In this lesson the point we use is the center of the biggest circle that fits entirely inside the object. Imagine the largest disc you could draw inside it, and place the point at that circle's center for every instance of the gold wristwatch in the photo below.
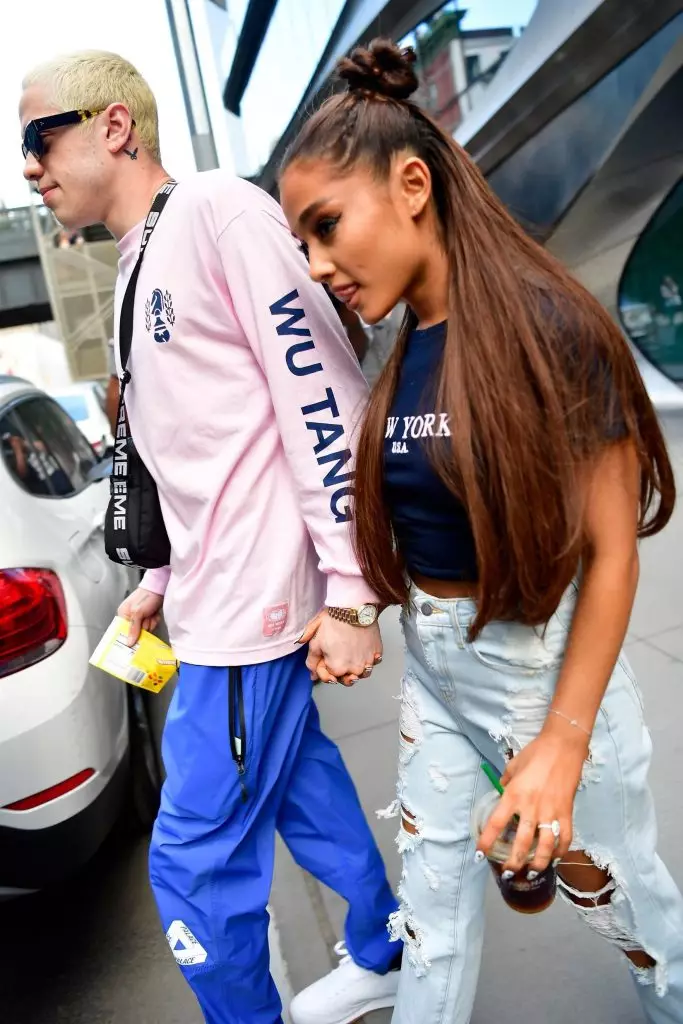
(366, 615)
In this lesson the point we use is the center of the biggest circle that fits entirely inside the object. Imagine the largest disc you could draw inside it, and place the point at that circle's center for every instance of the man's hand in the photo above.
(339, 652)
(142, 609)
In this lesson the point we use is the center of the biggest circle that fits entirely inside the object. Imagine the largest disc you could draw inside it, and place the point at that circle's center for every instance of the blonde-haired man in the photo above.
(243, 396)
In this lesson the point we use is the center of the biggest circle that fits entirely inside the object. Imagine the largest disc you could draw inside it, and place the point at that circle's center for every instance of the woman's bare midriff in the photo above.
(444, 588)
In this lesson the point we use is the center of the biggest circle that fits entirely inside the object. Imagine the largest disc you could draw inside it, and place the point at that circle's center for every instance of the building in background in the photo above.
(456, 63)
(571, 110)
(275, 51)
(476, 56)
(204, 35)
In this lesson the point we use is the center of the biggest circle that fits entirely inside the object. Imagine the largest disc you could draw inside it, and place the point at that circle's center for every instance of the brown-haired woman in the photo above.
(510, 459)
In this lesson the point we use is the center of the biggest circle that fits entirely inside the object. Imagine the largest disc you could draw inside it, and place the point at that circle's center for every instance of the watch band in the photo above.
(364, 616)
(349, 615)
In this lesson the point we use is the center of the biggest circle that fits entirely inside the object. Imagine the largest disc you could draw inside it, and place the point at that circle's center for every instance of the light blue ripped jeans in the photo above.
(464, 702)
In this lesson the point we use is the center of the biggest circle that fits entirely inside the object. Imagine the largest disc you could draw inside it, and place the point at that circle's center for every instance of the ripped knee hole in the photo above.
(588, 886)
(639, 958)
(581, 875)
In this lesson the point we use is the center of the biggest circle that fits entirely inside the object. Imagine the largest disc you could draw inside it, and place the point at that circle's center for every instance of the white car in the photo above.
(83, 403)
(75, 744)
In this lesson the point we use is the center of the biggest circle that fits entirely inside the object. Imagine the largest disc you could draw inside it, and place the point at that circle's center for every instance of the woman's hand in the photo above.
(540, 786)
(352, 651)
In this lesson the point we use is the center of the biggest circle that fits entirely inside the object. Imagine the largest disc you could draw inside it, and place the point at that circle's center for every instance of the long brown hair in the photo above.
(535, 374)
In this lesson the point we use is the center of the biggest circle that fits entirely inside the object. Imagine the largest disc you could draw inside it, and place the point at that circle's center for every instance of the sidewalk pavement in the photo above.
(535, 968)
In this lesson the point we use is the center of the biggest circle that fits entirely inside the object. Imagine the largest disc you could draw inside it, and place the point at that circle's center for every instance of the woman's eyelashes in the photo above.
(325, 226)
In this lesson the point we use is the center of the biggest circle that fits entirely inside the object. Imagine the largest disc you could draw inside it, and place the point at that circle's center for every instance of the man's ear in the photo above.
(119, 129)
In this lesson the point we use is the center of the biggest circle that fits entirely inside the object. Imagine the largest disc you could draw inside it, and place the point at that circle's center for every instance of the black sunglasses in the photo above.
(33, 132)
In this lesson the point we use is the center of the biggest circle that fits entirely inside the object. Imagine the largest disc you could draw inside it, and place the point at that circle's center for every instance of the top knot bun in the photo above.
(383, 68)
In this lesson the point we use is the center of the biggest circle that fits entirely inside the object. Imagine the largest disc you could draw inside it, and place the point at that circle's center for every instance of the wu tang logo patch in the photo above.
(160, 315)
(187, 950)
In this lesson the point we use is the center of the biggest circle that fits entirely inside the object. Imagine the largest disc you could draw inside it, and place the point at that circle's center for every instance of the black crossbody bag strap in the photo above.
(128, 304)
(135, 533)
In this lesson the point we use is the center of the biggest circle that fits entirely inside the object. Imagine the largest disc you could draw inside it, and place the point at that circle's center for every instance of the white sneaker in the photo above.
(345, 994)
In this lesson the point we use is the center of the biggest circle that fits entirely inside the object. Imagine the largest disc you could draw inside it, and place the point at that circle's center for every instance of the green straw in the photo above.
(492, 776)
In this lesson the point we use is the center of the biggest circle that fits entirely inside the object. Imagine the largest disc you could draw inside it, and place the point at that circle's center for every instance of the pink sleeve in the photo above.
(317, 388)
(156, 580)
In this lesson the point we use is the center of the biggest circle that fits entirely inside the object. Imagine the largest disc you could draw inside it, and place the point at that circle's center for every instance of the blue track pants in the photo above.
(211, 858)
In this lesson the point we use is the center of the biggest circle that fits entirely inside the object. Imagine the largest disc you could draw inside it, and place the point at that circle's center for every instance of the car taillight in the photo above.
(46, 795)
(32, 617)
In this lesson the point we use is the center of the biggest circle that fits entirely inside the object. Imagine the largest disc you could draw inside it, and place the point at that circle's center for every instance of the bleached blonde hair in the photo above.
(91, 80)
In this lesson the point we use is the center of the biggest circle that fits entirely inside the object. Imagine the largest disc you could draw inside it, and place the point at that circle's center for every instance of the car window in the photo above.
(74, 406)
(33, 467)
(20, 458)
(57, 460)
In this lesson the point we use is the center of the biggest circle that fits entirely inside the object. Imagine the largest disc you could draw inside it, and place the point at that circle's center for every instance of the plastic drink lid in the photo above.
(502, 847)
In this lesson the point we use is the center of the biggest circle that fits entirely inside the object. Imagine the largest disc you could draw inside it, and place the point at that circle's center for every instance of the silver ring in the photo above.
(554, 827)
(367, 671)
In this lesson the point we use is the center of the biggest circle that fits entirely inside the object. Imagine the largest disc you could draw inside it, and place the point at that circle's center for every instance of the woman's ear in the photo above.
(415, 182)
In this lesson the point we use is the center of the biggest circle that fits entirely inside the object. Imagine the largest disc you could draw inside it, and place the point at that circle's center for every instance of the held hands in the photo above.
(339, 652)
(540, 786)
(142, 608)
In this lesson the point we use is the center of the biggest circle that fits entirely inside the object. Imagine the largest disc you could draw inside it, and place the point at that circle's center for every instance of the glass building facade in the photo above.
(295, 39)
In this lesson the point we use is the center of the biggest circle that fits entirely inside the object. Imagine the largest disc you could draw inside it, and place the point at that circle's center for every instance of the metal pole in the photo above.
(192, 84)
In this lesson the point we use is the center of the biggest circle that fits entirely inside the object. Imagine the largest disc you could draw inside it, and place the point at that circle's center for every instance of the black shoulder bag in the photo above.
(134, 529)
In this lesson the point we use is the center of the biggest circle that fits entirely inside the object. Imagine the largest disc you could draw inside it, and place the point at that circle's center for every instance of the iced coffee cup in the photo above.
(523, 895)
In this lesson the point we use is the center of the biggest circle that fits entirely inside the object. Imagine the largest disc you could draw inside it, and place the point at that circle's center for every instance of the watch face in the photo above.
(367, 614)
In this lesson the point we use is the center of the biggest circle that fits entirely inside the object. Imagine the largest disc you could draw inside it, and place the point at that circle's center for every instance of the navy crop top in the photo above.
(431, 526)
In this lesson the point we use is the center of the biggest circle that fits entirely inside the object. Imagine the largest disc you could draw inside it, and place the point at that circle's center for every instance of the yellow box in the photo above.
(149, 664)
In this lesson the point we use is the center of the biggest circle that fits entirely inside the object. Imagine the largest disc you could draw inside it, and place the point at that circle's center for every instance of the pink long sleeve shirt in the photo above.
(244, 401)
